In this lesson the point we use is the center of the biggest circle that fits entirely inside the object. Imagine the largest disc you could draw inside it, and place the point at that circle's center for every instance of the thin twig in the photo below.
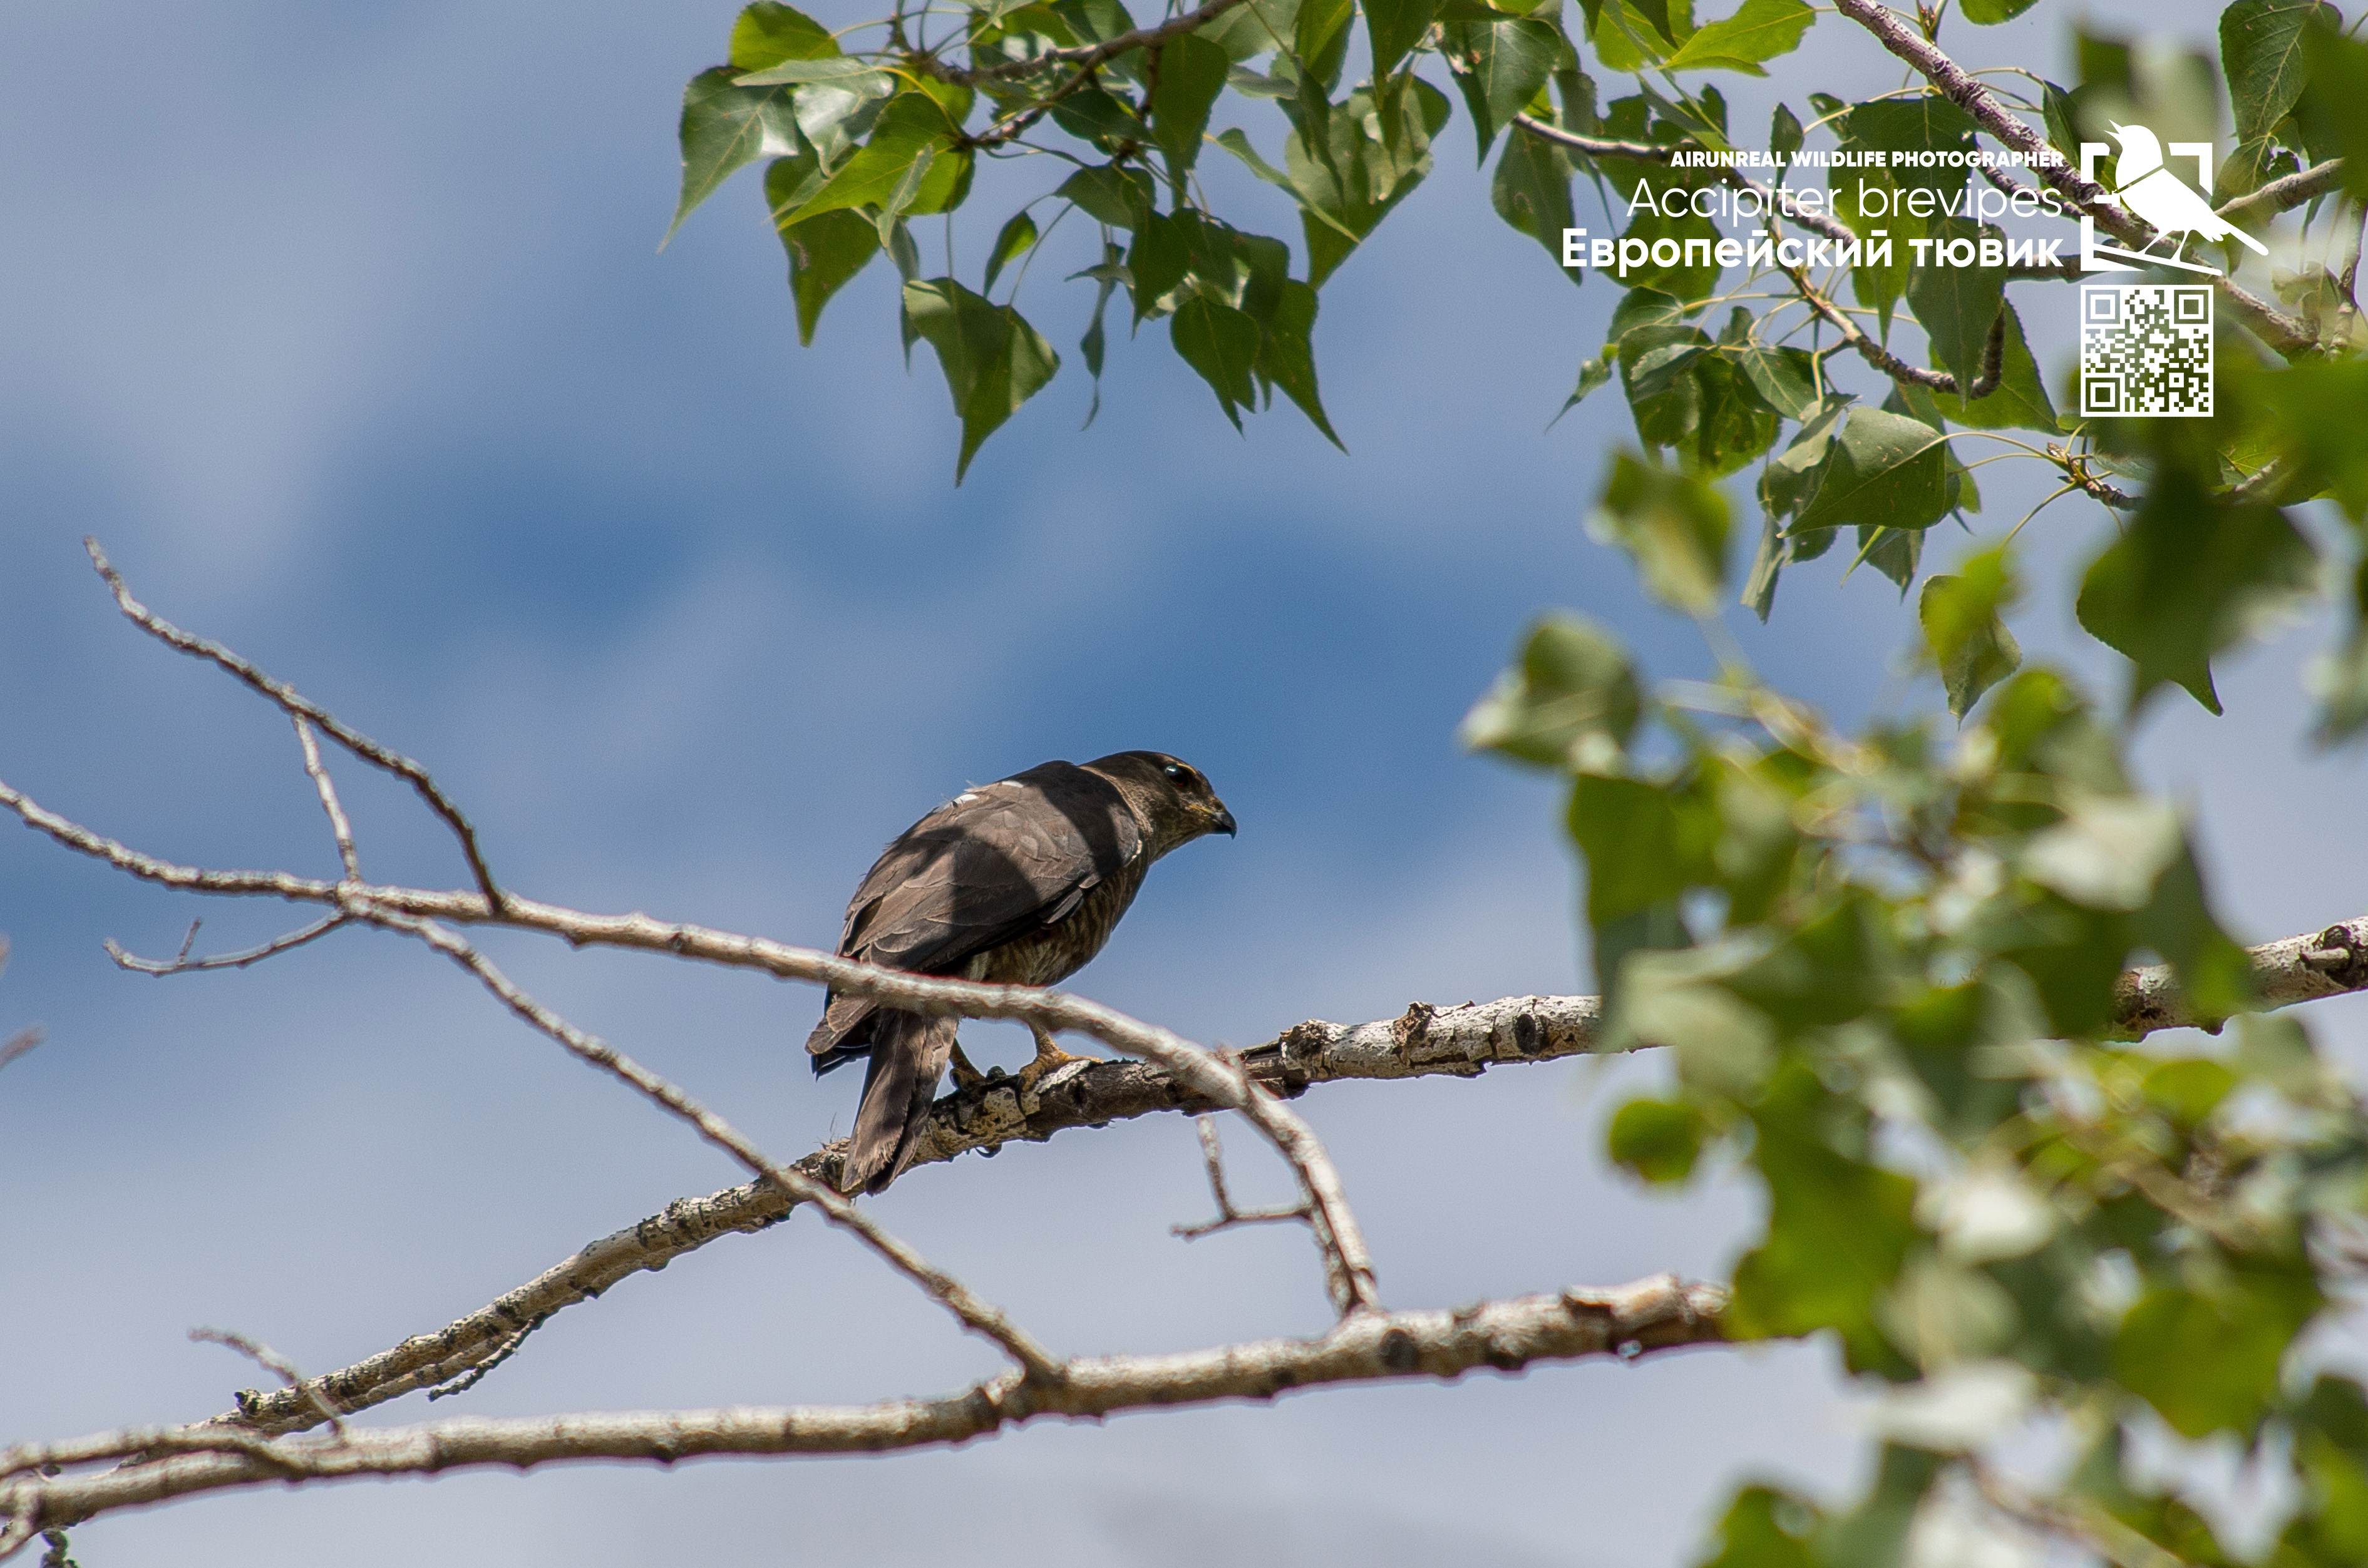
(185, 964)
(339, 828)
(300, 708)
(278, 1366)
(19, 1043)
(476, 1374)
(952, 1294)
(1214, 1156)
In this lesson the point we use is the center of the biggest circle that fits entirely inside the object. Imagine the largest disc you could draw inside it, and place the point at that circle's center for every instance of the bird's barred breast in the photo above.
(1053, 954)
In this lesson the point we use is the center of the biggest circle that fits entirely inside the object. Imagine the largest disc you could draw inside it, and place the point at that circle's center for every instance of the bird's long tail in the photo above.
(909, 1052)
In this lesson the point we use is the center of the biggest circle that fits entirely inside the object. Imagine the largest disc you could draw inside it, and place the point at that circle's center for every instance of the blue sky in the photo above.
(345, 330)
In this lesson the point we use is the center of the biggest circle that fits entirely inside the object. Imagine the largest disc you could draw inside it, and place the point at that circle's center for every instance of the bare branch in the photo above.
(19, 1043)
(1348, 1267)
(1178, 1075)
(184, 964)
(1424, 1041)
(2286, 192)
(300, 708)
(957, 1298)
(1214, 1156)
(1628, 1322)
(278, 1366)
(339, 828)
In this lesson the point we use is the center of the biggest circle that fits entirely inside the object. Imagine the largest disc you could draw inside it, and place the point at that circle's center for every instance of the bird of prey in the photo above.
(2162, 198)
(1018, 882)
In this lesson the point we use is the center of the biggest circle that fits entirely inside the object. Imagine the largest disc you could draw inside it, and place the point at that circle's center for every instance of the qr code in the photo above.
(2145, 348)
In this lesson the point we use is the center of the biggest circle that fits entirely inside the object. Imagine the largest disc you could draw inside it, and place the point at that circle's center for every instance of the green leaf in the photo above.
(1765, 1529)
(1018, 236)
(1107, 277)
(1571, 701)
(1657, 1140)
(2020, 402)
(992, 360)
(823, 255)
(1287, 355)
(1394, 26)
(1221, 345)
(2337, 99)
(1096, 21)
(1683, 279)
(1156, 264)
(2108, 853)
(2340, 677)
(1352, 170)
(1191, 74)
(1758, 32)
(2261, 50)
(915, 128)
(1784, 134)
(1506, 63)
(837, 69)
(2209, 1363)
(834, 116)
(1838, 1230)
(1532, 192)
(1962, 629)
(1956, 305)
(1881, 470)
(1990, 13)
(1110, 194)
(1784, 377)
(1635, 839)
(766, 34)
(1317, 29)
(1675, 525)
(2189, 578)
(725, 129)
(1926, 122)
(1252, 28)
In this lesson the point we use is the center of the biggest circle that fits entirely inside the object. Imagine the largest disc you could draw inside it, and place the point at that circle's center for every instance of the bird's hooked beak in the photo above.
(1223, 821)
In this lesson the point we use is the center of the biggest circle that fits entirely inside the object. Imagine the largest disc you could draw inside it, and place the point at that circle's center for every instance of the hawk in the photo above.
(1017, 882)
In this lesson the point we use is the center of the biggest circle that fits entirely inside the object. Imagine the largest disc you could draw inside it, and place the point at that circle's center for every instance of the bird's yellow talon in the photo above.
(966, 1078)
(1049, 1058)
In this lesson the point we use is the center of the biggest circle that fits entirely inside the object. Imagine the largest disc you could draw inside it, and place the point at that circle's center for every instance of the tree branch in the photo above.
(1629, 1320)
(1423, 1041)
(1348, 1267)
(2286, 192)
(978, 1316)
(302, 710)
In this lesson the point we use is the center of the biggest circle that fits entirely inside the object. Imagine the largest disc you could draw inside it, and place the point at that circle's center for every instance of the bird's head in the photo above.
(1170, 796)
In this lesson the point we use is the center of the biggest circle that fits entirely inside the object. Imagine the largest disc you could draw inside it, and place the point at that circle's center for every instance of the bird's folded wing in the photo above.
(990, 866)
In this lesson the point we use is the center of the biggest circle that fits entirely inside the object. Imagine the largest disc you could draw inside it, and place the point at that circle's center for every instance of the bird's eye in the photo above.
(1175, 770)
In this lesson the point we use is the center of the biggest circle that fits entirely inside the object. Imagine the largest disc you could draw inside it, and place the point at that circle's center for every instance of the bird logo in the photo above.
(2169, 205)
